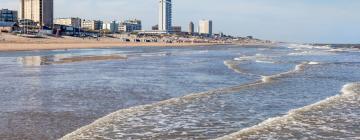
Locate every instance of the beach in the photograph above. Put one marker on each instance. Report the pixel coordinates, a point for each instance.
(10, 42)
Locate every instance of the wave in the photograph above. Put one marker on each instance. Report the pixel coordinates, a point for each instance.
(306, 49)
(259, 58)
(308, 46)
(350, 94)
(298, 68)
(233, 65)
(344, 50)
(311, 52)
(126, 113)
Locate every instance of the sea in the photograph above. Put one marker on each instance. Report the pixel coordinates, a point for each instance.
(283, 91)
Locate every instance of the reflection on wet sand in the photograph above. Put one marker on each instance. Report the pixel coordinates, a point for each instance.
(63, 59)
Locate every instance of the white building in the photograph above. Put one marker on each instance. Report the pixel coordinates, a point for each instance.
(40, 11)
(130, 26)
(113, 26)
(74, 22)
(205, 27)
(165, 15)
(93, 25)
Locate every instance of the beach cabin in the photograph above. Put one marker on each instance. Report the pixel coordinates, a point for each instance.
(8, 26)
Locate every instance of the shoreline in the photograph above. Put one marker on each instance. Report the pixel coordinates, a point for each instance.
(10, 43)
(31, 46)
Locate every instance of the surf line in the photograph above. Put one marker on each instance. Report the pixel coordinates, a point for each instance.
(133, 111)
(349, 90)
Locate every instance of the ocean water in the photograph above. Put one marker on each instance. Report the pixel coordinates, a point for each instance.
(287, 91)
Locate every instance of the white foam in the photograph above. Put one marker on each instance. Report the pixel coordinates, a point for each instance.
(233, 66)
(298, 68)
(267, 62)
(314, 63)
(352, 88)
(307, 46)
(258, 58)
(347, 90)
(310, 52)
(344, 50)
(138, 110)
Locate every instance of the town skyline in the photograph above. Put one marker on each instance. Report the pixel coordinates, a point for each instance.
(322, 22)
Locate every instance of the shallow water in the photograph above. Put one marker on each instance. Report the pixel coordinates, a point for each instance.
(177, 93)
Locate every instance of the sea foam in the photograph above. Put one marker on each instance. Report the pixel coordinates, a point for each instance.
(297, 120)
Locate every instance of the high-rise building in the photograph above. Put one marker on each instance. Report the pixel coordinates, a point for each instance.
(205, 27)
(130, 26)
(165, 15)
(74, 22)
(8, 15)
(93, 25)
(40, 11)
(112, 27)
(191, 28)
(176, 29)
(155, 27)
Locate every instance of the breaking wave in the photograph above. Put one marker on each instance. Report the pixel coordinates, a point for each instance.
(308, 46)
(138, 110)
(298, 68)
(233, 65)
(315, 121)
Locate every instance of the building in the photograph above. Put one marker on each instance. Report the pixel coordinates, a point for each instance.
(155, 27)
(93, 25)
(191, 28)
(66, 30)
(165, 15)
(40, 11)
(74, 22)
(176, 29)
(8, 15)
(8, 26)
(112, 27)
(130, 26)
(205, 27)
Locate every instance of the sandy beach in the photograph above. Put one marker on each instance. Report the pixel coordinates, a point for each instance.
(10, 42)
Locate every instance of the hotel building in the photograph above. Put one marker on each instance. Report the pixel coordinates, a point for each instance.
(40, 11)
(165, 15)
(112, 27)
(130, 26)
(74, 22)
(191, 28)
(93, 25)
(8, 15)
(205, 27)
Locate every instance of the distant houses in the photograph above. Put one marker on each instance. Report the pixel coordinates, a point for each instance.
(8, 26)
(128, 26)
(7, 15)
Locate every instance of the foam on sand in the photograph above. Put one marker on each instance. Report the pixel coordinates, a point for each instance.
(315, 121)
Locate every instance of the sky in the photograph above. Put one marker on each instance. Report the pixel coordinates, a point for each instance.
(301, 21)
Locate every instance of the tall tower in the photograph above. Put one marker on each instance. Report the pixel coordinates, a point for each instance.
(191, 28)
(40, 11)
(165, 15)
(205, 27)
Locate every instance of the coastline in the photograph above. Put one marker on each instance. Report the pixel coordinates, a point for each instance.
(10, 42)
(4, 47)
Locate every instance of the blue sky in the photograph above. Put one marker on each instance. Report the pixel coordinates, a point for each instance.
(307, 21)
